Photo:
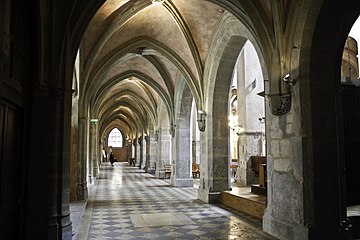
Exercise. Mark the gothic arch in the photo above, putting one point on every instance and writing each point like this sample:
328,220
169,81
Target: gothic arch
228,42
323,130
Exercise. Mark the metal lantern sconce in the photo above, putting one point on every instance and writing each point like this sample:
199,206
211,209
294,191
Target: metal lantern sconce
280,103
201,120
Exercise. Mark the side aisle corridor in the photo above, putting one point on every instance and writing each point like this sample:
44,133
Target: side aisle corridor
127,203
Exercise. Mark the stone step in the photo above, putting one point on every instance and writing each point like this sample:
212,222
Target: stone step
257,189
243,200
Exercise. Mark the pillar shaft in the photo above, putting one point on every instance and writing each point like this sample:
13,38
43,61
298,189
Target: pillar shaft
81,167
49,155
93,150
164,144
182,154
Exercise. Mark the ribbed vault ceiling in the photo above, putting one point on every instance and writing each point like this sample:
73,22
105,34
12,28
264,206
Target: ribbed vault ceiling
133,52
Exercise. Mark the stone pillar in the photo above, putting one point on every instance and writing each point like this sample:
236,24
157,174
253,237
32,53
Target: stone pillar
147,150
48,215
137,150
181,175
284,215
204,190
214,170
73,148
143,152
164,144
64,190
81,164
128,150
93,149
153,155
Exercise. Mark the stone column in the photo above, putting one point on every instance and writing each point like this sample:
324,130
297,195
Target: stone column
147,155
93,149
128,150
81,164
214,170
164,144
137,155
64,190
181,175
48,215
153,146
73,149
284,216
143,152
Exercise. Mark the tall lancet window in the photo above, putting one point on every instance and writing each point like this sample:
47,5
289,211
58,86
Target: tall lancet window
115,138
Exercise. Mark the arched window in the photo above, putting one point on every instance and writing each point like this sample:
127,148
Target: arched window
115,138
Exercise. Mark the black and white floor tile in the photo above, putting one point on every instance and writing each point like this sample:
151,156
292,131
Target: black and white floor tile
130,204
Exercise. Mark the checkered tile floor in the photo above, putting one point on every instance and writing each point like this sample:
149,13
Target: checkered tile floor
124,193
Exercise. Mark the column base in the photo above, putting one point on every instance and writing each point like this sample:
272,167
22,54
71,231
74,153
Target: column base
66,230
160,174
183,182
283,230
62,227
82,191
209,197
67,233
95,172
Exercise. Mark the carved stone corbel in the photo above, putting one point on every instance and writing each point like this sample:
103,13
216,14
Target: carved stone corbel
172,129
156,135
201,119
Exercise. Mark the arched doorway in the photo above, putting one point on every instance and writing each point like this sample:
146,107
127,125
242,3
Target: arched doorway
247,120
350,83
230,42
324,165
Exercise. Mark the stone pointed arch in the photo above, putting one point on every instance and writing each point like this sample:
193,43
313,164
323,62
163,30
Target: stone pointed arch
318,104
116,20
142,77
227,44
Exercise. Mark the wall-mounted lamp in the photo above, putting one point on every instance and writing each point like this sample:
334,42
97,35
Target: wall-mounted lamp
238,129
201,120
157,2
261,119
289,80
280,103
94,121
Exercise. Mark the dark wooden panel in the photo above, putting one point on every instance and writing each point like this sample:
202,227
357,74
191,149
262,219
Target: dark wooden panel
351,116
10,181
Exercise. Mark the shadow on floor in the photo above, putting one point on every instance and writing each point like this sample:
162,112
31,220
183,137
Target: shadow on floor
355,230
